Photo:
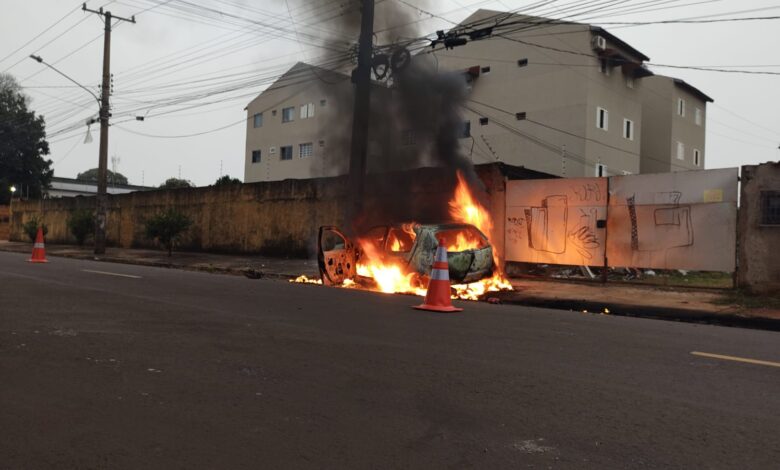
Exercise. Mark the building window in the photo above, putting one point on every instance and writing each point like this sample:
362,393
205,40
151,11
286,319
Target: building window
522,62
258,120
307,111
601,170
604,66
322,143
483,121
323,103
680,151
306,150
602,118
288,114
285,152
699,116
629,82
485,70
465,130
407,138
696,157
680,107
770,207
628,129
256,154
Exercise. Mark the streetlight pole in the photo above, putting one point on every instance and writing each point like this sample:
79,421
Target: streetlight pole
105,114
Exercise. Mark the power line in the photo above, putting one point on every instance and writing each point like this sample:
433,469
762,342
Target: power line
46,30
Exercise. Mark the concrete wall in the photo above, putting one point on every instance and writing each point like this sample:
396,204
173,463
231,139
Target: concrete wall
758,268
4,222
275,218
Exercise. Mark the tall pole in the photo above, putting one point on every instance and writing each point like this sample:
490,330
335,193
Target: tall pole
102,196
362,78
105,115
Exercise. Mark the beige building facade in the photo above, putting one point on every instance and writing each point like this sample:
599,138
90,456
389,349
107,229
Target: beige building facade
564,99
290,126
675,117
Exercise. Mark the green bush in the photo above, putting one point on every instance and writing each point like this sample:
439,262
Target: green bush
81,224
31,227
167,227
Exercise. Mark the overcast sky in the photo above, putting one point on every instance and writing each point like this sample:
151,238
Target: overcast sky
168,55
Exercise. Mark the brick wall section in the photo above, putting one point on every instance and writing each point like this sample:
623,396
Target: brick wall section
274,218
758,269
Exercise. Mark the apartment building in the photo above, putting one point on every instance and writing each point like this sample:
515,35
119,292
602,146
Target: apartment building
560,98
674,115
293,127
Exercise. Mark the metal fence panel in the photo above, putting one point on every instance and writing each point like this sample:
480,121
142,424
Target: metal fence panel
556,221
683,220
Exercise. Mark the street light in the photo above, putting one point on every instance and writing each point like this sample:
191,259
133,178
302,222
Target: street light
13,189
38,59
104,114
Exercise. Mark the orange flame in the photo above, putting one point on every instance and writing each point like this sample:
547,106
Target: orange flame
389,271
466,209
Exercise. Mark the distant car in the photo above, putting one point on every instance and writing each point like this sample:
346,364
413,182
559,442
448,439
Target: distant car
469,252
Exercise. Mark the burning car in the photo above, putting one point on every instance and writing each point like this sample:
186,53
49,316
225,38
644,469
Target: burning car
399,257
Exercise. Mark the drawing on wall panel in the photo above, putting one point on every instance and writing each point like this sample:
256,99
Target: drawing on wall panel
664,226
583,235
547,225
549,232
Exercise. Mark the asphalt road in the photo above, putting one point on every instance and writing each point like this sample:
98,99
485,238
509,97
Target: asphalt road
124,367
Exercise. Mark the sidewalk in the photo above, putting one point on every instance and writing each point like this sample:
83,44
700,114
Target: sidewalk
256,266
679,304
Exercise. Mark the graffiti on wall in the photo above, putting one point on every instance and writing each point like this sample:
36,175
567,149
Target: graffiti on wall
553,220
681,220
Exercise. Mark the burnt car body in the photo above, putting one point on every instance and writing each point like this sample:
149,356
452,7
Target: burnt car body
412,246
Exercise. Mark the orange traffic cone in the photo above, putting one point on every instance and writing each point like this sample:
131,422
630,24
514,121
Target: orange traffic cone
437,298
39,251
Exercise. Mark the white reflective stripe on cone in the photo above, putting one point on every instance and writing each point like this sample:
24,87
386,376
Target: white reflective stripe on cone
38,245
441,254
440,275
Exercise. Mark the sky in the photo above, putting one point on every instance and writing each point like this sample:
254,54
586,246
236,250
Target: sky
168,65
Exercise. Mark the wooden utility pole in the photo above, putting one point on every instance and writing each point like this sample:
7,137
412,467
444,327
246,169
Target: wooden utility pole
105,114
362,110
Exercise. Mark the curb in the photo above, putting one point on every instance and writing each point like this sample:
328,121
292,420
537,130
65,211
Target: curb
638,311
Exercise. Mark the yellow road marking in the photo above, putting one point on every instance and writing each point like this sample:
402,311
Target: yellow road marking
736,359
111,274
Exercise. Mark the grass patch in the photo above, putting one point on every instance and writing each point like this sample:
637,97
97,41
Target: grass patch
747,300
692,279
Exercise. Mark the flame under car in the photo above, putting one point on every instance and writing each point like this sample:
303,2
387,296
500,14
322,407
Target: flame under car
410,248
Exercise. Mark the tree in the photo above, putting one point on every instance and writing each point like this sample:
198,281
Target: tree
167,227
226,180
81,224
176,183
22,144
92,177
